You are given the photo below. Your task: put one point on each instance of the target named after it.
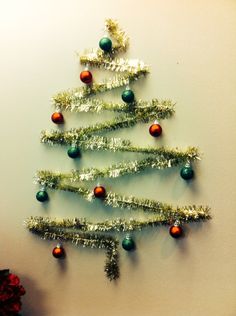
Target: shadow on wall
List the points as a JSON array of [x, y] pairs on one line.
[[33, 294]]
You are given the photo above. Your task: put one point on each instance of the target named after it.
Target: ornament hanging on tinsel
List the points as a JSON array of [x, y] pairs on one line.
[[155, 129], [127, 96], [73, 152], [176, 230], [86, 77], [99, 191], [58, 252], [42, 195], [187, 172], [128, 243], [57, 118], [105, 44]]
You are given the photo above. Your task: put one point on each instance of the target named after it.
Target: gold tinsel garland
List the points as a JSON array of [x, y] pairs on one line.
[[40, 224], [163, 108], [161, 160]]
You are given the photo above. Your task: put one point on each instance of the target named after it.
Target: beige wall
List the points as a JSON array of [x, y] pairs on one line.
[[191, 48]]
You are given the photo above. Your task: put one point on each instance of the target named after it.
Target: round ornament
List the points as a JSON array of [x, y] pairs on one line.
[[127, 96], [73, 152], [155, 130], [187, 172], [58, 252], [176, 231], [57, 118], [105, 44], [128, 243], [42, 196], [99, 192], [86, 76]]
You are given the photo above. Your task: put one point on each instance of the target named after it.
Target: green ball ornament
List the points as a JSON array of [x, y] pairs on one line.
[[42, 196], [73, 152], [105, 44], [128, 96], [128, 244], [187, 173]]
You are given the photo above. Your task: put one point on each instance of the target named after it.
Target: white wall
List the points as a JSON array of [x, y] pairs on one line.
[[191, 48]]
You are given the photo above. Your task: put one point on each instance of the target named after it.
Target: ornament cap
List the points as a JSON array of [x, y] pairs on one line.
[[177, 222]]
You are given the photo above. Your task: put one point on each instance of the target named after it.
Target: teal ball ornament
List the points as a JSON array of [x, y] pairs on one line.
[[73, 152], [186, 173], [42, 196], [105, 44], [128, 96], [128, 244]]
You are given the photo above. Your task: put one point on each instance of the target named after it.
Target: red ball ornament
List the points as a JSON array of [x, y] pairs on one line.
[[58, 252], [176, 231], [99, 192], [86, 77], [155, 130], [57, 118]]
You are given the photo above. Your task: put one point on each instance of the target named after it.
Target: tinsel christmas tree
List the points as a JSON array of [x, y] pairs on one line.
[[129, 112]]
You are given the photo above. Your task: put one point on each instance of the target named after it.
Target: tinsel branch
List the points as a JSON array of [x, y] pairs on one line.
[[65, 97], [113, 171], [114, 144], [162, 108], [106, 60], [97, 59], [191, 153], [113, 29], [86, 143], [108, 243], [46, 224], [183, 214]]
